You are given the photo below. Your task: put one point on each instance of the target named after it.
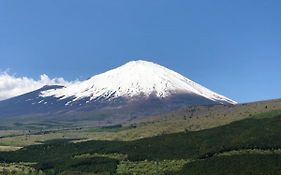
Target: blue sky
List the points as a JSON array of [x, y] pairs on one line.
[[231, 47]]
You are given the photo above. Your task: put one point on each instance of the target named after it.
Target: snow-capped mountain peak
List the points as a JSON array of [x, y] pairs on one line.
[[135, 78]]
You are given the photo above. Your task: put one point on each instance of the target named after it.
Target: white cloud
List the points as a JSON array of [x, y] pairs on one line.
[[11, 85]]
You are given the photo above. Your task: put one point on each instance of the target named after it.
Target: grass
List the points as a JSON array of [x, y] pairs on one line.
[[250, 151], [9, 148], [151, 167], [185, 119], [125, 133], [269, 114], [116, 156], [112, 128], [235, 165], [247, 146], [18, 169], [175, 143]]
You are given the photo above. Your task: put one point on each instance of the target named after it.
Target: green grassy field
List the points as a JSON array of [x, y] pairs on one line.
[[179, 142], [185, 119], [248, 146], [18, 169]]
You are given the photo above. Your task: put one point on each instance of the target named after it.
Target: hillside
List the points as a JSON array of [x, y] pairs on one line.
[[184, 119], [249, 144]]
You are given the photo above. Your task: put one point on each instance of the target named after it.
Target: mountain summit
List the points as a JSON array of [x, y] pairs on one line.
[[135, 89], [135, 79]]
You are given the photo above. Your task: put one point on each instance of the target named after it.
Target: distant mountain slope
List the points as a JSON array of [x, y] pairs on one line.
[[138, 88], [28, 103]]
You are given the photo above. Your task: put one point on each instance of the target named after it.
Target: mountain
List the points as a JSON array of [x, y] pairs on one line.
[[138, 88], [136, 78]]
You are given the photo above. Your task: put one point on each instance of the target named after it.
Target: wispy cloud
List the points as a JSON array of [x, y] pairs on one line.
[[11, 85]]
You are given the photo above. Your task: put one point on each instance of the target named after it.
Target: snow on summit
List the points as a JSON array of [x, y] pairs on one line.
[[135, 78]]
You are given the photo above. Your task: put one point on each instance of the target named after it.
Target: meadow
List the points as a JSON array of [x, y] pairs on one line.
[[248, 146], [240, 139], [184, 119]]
